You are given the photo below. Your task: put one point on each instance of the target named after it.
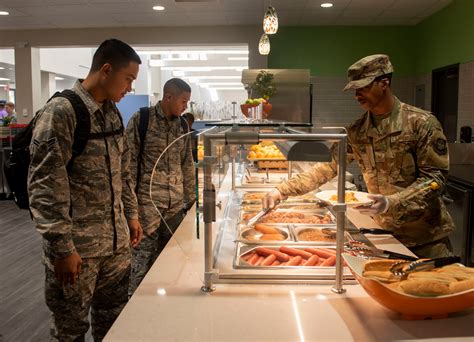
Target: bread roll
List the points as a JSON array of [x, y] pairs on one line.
[[457, 271], [379, 265], [424, 287], [432, 276], [460, 286], [383, 276]]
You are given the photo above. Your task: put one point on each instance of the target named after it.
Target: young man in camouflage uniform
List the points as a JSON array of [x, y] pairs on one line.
[[173, 182], [403, 155], [80, 213]]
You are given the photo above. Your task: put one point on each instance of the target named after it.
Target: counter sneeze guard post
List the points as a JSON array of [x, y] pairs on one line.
[[298, 148]]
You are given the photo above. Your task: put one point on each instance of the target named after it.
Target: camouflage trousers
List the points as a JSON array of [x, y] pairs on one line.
[[145, 255], [101, 288]]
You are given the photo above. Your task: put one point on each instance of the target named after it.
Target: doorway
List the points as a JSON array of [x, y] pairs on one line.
[[444, 99]]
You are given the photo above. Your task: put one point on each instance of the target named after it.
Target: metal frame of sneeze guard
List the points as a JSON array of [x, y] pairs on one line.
[[233, 137]]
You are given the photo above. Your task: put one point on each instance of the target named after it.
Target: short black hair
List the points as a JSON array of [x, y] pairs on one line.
[[176, 86], [115, 52], [386, 76]]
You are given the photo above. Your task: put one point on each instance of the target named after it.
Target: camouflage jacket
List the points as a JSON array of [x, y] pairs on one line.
[[81, 211], [173, 184], [397, 159]]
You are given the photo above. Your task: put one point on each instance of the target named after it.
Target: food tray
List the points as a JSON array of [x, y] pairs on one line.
[[245, 250], [246, 215], [272, 164], [304, 199], [316, 229], [252, 236]]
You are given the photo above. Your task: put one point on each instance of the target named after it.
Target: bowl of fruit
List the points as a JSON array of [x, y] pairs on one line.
[[250, 103]]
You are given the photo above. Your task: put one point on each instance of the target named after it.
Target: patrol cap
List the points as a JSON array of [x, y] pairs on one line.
[[364, 71]]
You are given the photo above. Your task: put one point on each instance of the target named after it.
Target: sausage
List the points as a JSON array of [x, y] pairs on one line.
[[295, 252], [253, 259], [276, 237], [331, 261], [320, 261], [295, 261], [259, 261], [247, 256], [267, 251], [329, 250], [269, 260], [319, 252], [275, 263], [312, 261], [265, 229]]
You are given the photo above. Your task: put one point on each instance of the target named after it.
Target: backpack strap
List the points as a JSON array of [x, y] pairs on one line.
[[83, 124], [142, 129]]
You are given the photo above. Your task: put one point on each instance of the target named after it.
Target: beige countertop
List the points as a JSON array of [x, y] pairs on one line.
[[169, 304]]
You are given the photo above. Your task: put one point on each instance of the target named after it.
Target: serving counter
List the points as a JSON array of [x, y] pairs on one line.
[[169, 303]]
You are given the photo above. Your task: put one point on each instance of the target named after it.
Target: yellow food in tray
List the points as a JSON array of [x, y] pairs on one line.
[[350, 197], [265, 150]]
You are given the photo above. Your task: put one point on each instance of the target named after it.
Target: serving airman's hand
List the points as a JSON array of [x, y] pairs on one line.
[[271, 199], [67, 269], [379, 206], [136, 232]]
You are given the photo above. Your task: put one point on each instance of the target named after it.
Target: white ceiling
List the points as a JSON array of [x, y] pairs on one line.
[[50, 14]]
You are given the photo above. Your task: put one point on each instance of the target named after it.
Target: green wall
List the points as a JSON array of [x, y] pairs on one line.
[[330, 50], [447, 37]]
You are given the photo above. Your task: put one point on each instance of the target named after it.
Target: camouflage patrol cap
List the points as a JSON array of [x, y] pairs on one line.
[[364, 71]]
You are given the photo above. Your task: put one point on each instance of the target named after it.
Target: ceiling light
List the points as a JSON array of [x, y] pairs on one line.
[[264, 45], [238, 58], [4, 13], [156, 63], [221, 83], [4, 79], [209, 52], [1, 68], [3, 85], [214, 77], [57, 78], [202, 68], [159, 8], [326, 5], [228, 88], [270, 21]]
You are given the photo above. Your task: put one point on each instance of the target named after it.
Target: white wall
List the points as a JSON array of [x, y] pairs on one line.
[[72, 62]]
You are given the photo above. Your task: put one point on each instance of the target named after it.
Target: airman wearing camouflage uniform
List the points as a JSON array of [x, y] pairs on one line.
[[173, 183], [404, 159], [82, 214]]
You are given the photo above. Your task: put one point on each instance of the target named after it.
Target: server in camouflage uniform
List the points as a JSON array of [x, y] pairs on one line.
[[82, 214], [173, 183], [403, 155]]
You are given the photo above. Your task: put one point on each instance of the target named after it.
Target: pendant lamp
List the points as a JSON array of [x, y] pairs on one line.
[[270, 21], [264, 45]]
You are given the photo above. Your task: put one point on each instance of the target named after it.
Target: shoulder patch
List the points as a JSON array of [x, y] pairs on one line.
[[440, 146]]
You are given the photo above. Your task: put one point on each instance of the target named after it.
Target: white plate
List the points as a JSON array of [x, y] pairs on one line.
[[361, 197]]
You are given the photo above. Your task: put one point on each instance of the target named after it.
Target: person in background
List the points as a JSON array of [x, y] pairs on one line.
[[3, 111], [403, 156], [82, 212], [194, 139], [173, 183], [10, 108]]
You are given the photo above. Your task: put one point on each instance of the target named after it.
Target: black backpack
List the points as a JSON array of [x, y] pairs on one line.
[[142, 128], [17, 163]]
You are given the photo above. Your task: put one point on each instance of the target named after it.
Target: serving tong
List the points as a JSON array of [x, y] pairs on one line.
[[376, 231], [260, 214], [363, 250], [403, 268]]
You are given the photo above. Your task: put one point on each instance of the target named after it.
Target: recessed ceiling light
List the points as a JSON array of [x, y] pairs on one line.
[[4, 13], [159, 8], [326, 5], [57, 78]]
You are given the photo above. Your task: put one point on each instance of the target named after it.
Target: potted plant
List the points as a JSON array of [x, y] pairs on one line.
[[263, 87]]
